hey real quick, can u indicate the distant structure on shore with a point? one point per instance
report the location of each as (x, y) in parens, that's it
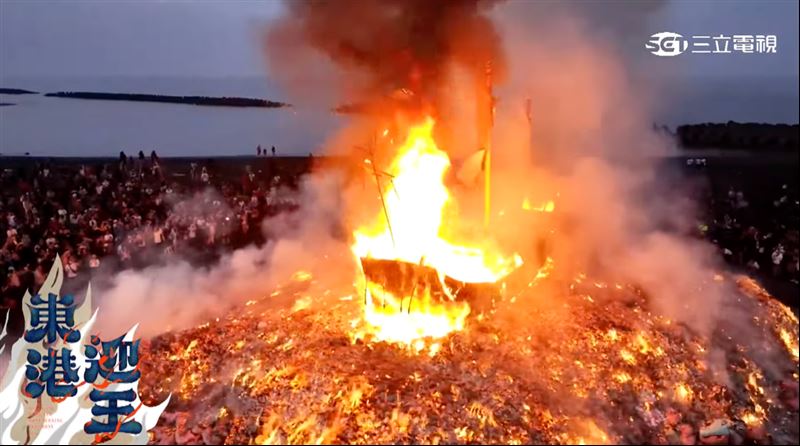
(740, 136)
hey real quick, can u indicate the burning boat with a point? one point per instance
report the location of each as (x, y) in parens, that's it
(414, 272)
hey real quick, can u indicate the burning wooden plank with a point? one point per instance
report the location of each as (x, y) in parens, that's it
(409, 279)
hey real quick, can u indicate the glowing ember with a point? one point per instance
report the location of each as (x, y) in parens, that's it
(683, 393)
(587, 432)
(790, 342)
(548, 206)
(751, 419)
(301, 276)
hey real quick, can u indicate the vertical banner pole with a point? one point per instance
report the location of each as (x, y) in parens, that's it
(487, 146)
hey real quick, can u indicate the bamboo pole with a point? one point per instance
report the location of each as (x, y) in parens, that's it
(380, 190)
(487, 147)
(487, 185)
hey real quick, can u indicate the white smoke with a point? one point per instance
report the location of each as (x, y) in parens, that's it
(591, 141)
(176, 295)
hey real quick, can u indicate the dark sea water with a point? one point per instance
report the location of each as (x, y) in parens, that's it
(49, 126)
(74, 127)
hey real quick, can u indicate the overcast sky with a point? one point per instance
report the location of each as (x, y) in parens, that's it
(221, 38)
(196, 47)
(133, 38)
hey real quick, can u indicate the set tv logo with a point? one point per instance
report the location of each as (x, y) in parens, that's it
(667, 44)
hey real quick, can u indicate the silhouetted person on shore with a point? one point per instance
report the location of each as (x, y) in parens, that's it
(140, 162)
(153, 157)
(258, 150)
(273, 150)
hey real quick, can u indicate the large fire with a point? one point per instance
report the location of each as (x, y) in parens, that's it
(420, 357)
(414, 229)
(555, 357)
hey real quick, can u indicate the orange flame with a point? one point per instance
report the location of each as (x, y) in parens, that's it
(790, 342)
(415, 201)
(406, 320)
(548, 206)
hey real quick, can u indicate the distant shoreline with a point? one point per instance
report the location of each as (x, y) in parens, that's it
(217, 101)
(16, 91)
(189, 100)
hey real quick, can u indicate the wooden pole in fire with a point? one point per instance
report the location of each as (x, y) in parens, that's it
(380, 189)
(486, 128)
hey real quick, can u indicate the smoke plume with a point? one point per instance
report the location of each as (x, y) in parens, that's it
(371, 49)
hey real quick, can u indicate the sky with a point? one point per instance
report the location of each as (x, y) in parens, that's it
(133, 38)
(216, 38)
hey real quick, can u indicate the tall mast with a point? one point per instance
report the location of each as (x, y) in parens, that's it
(487, 115)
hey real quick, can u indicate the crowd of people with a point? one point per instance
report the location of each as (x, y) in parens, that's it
(118, 215)
(122, 215)
(758, 233)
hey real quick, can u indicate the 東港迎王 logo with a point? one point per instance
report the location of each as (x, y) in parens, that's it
(65, 384)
